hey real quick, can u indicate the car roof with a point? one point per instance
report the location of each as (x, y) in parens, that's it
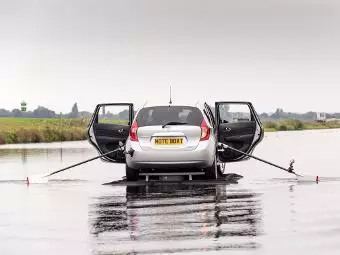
(198, 104)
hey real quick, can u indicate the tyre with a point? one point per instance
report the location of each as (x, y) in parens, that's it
(210, 173)
(131, 174)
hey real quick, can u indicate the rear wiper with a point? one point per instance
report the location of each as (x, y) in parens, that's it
(174, 123)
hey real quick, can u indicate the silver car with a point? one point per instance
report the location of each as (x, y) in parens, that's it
(173, 138)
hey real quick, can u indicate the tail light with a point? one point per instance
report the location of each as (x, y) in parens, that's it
(205, 131)
(133, 131)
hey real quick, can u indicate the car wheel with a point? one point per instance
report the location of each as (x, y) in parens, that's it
(131, 174)
(210, 172)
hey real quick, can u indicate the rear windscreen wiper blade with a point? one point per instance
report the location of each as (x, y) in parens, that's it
(174, 123)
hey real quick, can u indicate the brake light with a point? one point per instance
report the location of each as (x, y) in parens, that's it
(205, 131)
(133, 131)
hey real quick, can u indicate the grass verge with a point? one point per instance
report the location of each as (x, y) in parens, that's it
(36, 130)
(290, 125)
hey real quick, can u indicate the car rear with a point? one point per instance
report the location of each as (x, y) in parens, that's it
(167, 137)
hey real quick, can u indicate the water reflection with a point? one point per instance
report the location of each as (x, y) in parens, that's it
(174, 218)
(22, 155)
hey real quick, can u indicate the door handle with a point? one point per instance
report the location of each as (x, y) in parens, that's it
(228, 129)
(120, 130)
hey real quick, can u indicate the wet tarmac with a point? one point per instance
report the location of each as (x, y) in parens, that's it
(266, 212)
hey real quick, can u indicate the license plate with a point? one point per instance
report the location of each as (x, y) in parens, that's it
(169, 141)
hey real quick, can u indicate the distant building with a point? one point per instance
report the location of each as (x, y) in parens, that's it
(23, 106)
(321, 117)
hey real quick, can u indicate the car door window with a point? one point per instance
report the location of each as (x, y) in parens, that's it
(114, 114)
(160, 115)
(233, 113)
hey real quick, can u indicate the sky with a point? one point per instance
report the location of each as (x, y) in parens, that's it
(274, 53)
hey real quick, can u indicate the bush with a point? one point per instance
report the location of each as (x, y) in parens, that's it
(282, 127)
(11, 137)
(2, 138)
(36, 137)
(270, 125)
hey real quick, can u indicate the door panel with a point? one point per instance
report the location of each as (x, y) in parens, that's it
(110, 124)
(239, 127)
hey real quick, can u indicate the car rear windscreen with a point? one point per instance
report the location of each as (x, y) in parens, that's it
(160, 115)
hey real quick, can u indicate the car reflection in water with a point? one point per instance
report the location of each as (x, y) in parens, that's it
(175, 218)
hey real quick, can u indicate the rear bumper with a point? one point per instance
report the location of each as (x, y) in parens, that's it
(201, 157)
(170, 165)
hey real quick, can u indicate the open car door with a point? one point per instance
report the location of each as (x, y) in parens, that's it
(110, 125)
(238, 126)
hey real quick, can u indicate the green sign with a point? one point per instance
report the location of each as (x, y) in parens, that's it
(23, 106)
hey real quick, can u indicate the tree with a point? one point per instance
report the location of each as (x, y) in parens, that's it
(279, 114)
(310, 116)
(264, 116)
(74, 112)
(5, 113)
(43, 112)
(124, 115)
(16, 113)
